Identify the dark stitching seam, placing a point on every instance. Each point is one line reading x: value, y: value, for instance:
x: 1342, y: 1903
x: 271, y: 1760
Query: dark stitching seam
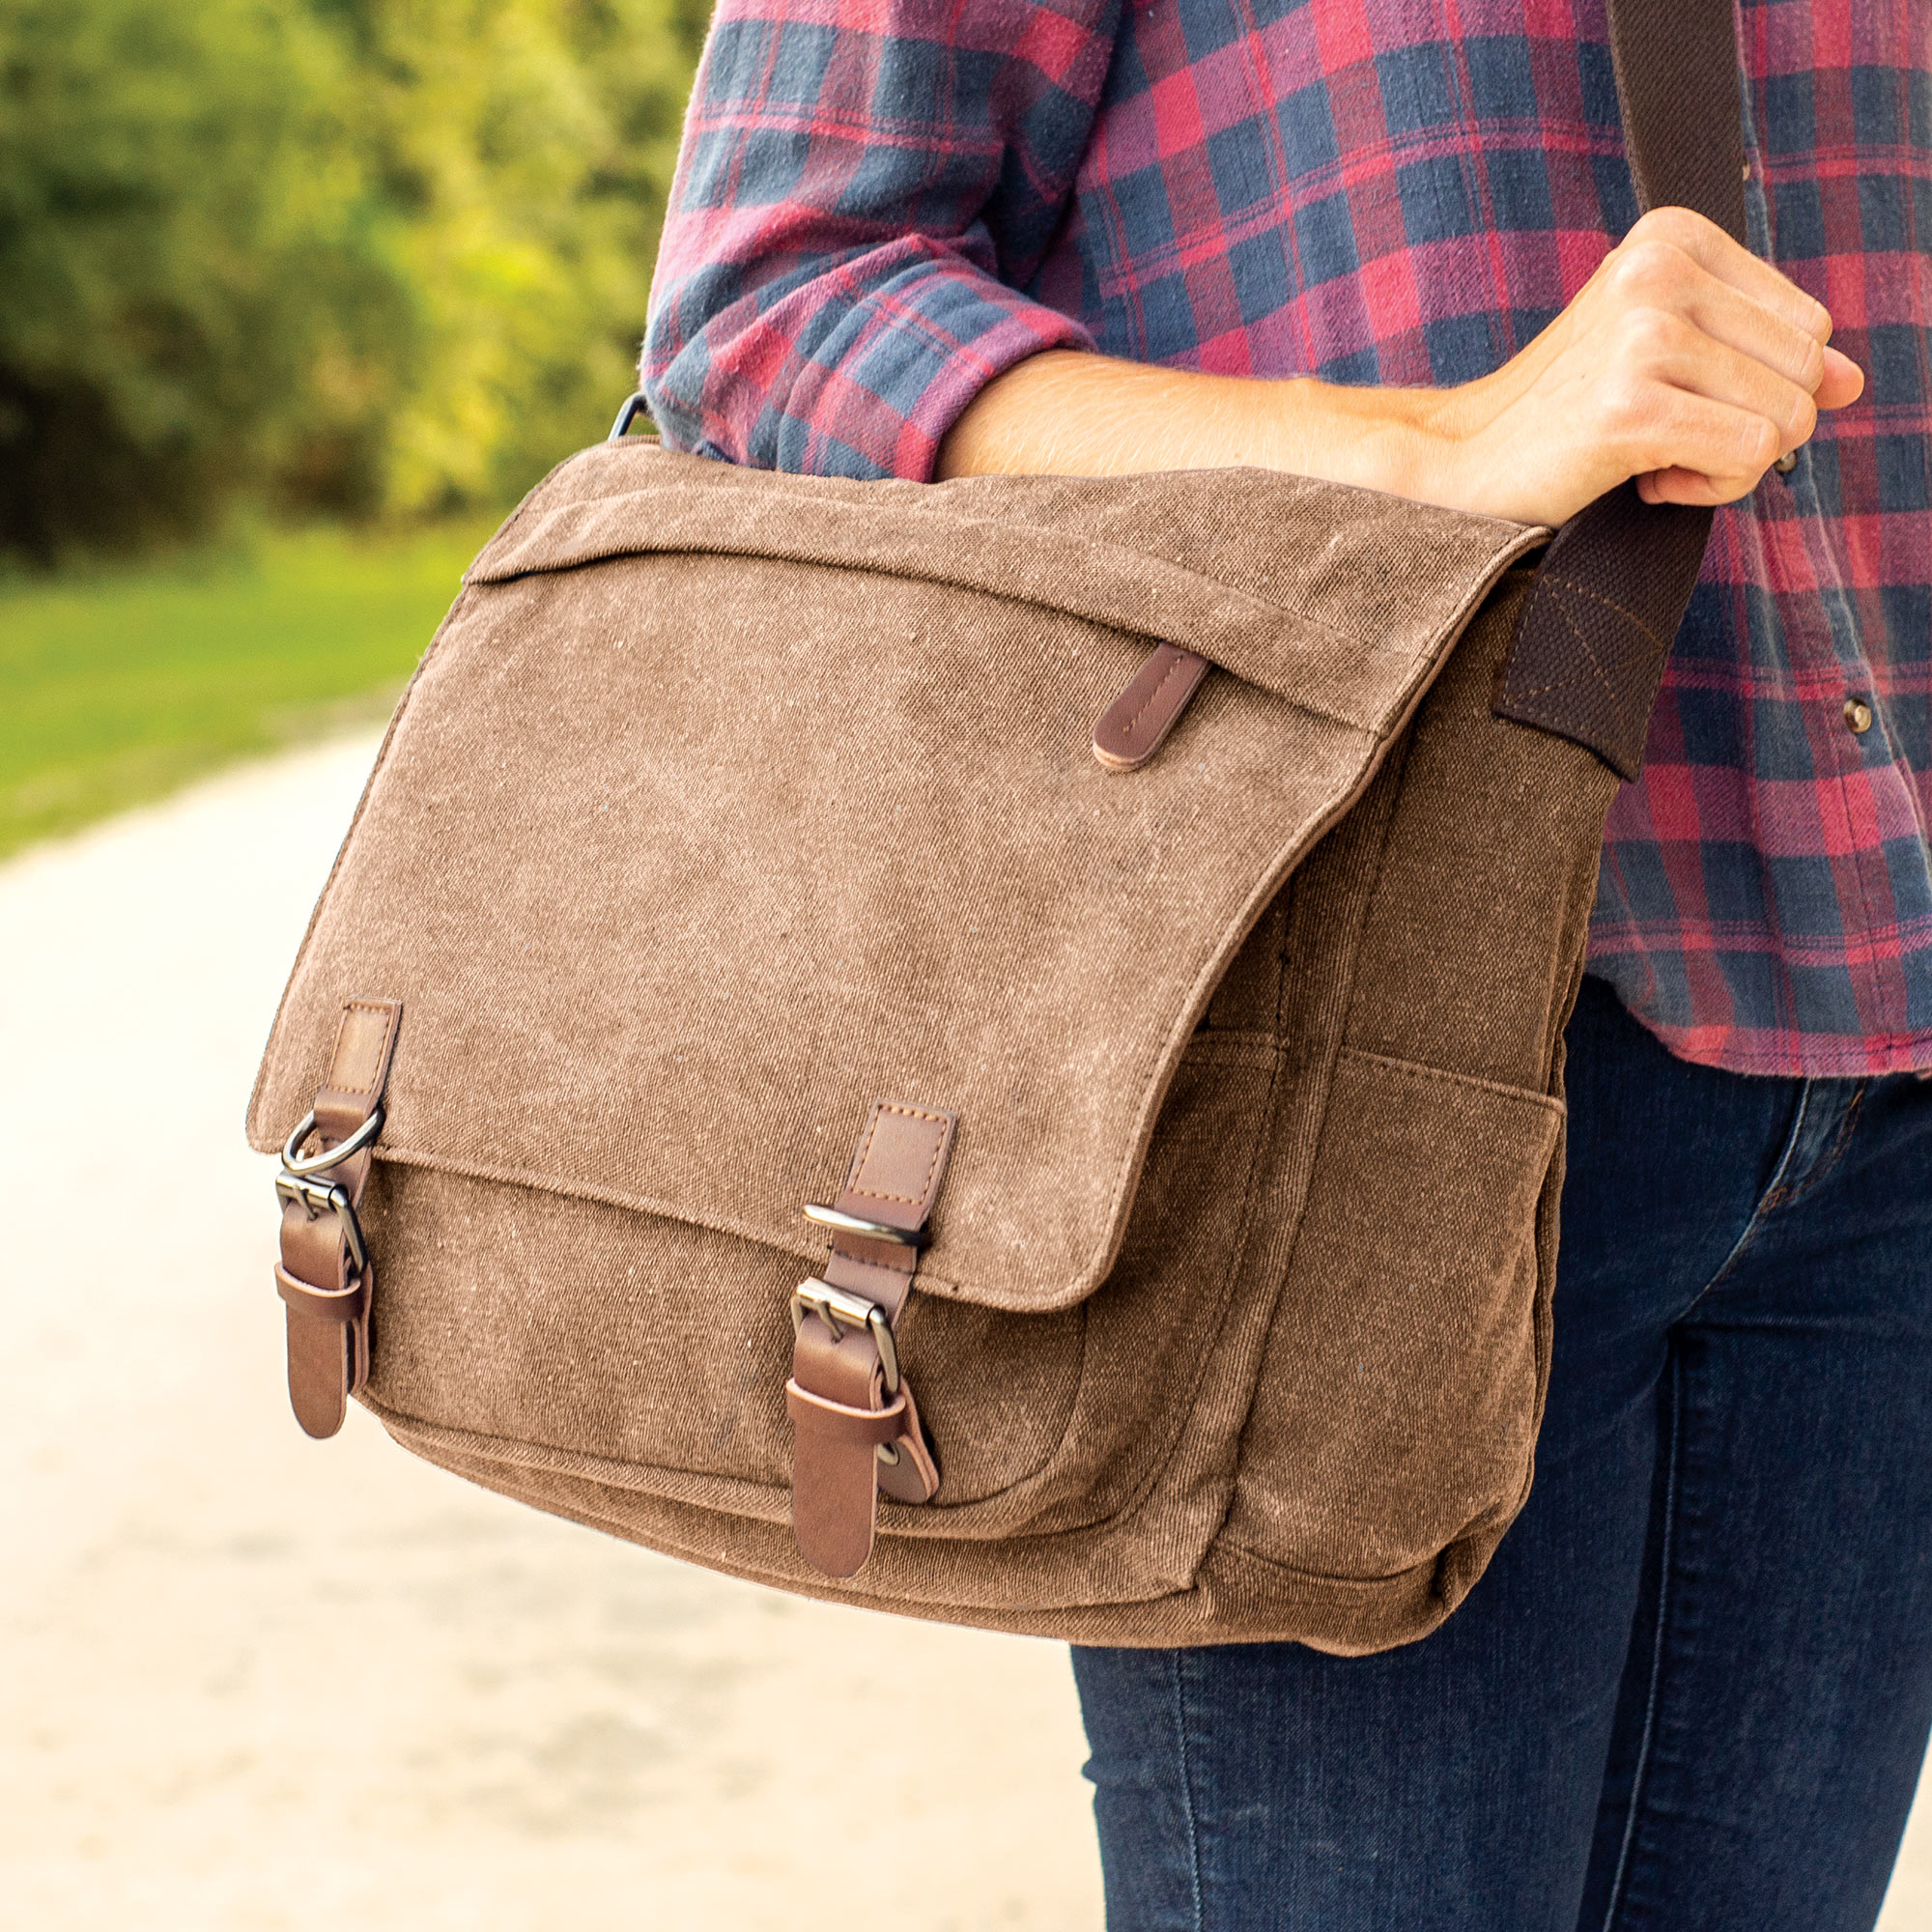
x: 1797, y: 1189
x: 1767, y: 1201
x: 1640, y: 1776
x: 1174, y: 1660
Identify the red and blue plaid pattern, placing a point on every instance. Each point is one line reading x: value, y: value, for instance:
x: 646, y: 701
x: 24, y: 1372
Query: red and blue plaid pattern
x: 881, y: 204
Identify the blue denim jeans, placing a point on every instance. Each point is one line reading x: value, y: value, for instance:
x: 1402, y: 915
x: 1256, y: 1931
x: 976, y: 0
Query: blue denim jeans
x: 1693, y: 1689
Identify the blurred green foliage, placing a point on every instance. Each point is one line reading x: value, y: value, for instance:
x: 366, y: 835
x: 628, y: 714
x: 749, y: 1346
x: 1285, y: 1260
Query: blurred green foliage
x: 118, y: 685
x: 362, y: 256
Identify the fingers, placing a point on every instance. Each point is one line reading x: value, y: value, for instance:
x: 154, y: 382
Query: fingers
x: 1688, y: 486
x: 1704, y: 242
x: 1685, y: 362
x: 1662, y: 350
x: 1750, y: 329
x: 1717, y: 364
x: 1676, y: 260
x: 1844, y: 381
x: 1656, y: 427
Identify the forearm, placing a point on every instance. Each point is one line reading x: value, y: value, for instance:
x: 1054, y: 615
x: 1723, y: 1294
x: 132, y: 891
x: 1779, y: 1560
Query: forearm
x: 1069, y: 414
x: 1685, y: 362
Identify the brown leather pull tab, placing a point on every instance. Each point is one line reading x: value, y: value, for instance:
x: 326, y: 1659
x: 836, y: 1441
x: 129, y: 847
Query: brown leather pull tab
x: 1134, y: 727
x: 325, y: 1277
x: 855, y: 1425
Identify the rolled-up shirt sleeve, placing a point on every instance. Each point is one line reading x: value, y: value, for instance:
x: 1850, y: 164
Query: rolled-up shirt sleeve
x: 863, y: 192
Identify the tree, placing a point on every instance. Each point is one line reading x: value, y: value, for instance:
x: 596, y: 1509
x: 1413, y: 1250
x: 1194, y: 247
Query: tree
x: 347, y: 254
x: 183, y: 231
x: 531, y: 143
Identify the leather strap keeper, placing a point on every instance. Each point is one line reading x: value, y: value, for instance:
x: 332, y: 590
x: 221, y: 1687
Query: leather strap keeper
x: 325, y: 1304
x: 323, y: 1276
x: 856, y: 1427
x: 876, y: 1426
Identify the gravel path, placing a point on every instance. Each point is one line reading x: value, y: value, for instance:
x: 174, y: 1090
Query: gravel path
x: 252, y: 1681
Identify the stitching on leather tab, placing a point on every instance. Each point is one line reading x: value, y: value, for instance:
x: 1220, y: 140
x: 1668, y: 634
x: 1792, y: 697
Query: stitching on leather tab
x: 388, y: 1014
x: 1166, y: 678
x: 939, y: 1148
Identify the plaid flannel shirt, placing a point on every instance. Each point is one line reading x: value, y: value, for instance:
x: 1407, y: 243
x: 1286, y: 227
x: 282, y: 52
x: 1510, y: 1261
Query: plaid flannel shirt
x: 882, y: 204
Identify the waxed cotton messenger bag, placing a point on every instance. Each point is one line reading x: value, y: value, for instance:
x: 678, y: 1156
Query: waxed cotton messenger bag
x: 989, y: 1050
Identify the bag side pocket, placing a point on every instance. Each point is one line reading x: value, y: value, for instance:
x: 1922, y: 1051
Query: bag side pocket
x: 1402, y: 1380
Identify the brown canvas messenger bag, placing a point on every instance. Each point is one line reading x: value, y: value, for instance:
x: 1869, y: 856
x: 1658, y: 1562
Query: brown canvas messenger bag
x: 771, y: 1076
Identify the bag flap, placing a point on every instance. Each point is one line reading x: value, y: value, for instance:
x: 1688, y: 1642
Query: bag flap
x: 726, y: 804
x: 1326, y: 596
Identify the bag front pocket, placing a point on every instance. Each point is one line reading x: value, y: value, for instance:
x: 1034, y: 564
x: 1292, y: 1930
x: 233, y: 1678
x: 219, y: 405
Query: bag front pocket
x: 1403, y: 1382
x: 642, y: 1341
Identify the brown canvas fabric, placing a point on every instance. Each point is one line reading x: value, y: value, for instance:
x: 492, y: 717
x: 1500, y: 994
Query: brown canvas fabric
x: 669, y: 824
x: 726, y: 803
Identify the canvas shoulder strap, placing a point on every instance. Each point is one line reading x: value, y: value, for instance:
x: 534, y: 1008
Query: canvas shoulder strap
x: 1596, y: 627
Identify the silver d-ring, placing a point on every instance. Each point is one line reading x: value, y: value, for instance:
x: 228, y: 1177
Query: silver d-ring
x: 868, y: 1231
x: 317, y: 1163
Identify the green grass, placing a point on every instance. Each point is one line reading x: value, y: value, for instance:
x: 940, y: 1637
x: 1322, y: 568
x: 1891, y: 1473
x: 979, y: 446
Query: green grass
x: 117, y: 687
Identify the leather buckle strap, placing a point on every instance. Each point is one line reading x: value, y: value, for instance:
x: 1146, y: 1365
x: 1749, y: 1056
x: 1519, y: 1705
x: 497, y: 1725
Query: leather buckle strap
x: 325, y: 1304
x: 319, y: 1196
x: 325, y: 1277
x: 856, y: 1429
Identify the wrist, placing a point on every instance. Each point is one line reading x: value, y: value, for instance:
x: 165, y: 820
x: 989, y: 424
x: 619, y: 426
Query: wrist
x: 1459, y: 467
x: 1405, y: 442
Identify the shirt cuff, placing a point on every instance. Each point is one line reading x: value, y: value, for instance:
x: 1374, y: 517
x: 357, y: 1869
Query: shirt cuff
x: 861, y: 369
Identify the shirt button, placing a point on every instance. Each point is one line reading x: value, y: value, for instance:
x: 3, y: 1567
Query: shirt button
x: 1857, y: 716
x: 1786, y: 463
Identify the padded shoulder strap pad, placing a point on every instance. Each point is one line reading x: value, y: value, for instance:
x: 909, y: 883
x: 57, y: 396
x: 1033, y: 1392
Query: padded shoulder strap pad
x: 1611, y: 591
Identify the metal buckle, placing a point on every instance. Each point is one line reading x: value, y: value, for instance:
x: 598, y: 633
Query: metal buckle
x: 840, y: 1310
x: 318, y: 1163
x: 318, y: 1197
x: 870, y: 1231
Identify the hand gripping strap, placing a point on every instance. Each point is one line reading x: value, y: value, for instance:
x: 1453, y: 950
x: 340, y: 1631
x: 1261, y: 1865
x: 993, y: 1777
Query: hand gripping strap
x: 855, y: 1424
x: 325, y: 1277
x: 1611, y: 591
